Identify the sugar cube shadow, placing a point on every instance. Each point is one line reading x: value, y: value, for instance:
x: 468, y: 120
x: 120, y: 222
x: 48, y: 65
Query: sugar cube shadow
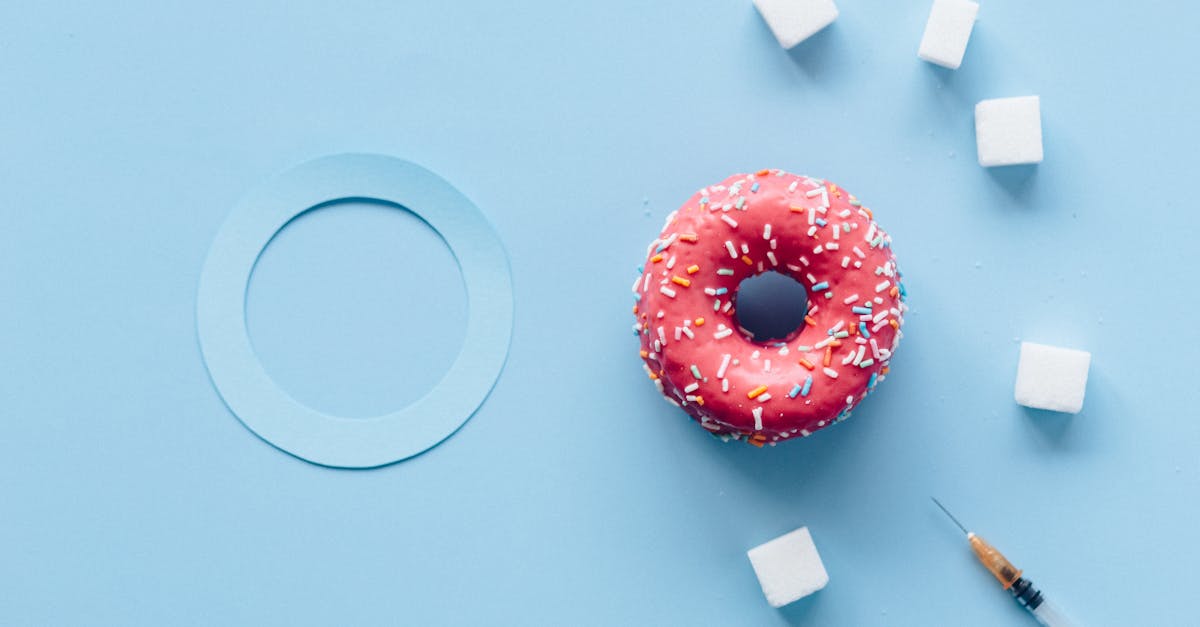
x: 800, y: 612
x: 1053, y: 427
x: 1018, y: 181
x: 822, y: 55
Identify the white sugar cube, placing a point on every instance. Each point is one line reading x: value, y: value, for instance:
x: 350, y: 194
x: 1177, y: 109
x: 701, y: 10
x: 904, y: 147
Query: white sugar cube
x: 788, y: 567
x: 793, y: 21
x: 1008, y: 131
x: 1052, y: 378
x: 947, y: 31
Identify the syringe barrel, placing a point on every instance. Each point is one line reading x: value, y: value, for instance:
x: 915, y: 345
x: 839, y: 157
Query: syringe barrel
x: 1049, y: 615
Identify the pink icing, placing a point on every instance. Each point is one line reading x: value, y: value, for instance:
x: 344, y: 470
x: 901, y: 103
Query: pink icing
x: 746, y: 225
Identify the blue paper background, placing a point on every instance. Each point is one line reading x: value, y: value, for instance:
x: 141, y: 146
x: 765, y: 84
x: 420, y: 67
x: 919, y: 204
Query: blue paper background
x: 130, y: 495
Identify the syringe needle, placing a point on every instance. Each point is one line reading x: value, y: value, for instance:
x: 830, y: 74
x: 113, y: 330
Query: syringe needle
x: 1010, y: 577
x: 947, y: 512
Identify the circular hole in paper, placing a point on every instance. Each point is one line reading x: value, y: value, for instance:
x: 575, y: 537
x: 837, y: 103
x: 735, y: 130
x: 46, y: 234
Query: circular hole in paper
x: 294, y: 427
x: 356, y: 308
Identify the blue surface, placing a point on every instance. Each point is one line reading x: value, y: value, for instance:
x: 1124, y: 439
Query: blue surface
x: 130, y: 495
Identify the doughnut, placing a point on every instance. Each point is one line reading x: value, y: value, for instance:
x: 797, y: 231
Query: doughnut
x: 702, y: 360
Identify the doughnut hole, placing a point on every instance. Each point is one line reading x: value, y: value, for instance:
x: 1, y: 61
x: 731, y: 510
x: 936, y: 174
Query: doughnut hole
x: 771, y: 306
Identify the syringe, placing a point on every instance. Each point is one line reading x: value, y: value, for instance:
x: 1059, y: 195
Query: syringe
x: 1010, y: 577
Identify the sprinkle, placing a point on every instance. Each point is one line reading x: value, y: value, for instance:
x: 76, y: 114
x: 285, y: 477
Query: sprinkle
x: 693, y: 269
x: 764, y: 398
x: 696, y: 372
x: 866, y: 362
x: 688, y: 332
x: 748, y: 261
x: 767, y: 231
x: 861, y: 310
x: 728, y: 220
x: 721, y: 290
x: 882, y: 286
x: 871, y: 382
x: 814, y: 192
x: 841, y: 334
x: 771, y: 257
x: 662, y: 336
x: 823, y: 285
x: 756, y: 391
x: 807, y: 386
x: 724, y: 365
x: 862, y: 328
x: 699, y: 322
x: 758, y: 418
x: 731, y: 249
x: 689, y: 237
x: 666, y: 290
x: 724, y: 271
x: 819, y: 249
x: 754, y: 188
x: 831, y: 245
x: 678, y: 333
x: 656, y: 258
x: 795, y: 391
x: 849, y: 299
x: 692, y: 387
x: 830, y: 372
x: 807, y: 364
x: 723, y: 333
x: 828, y: 356
x: 724, y: 385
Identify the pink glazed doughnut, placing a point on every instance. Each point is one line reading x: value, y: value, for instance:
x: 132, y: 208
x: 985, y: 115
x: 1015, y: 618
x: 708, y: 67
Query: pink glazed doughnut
x: 764, y: 392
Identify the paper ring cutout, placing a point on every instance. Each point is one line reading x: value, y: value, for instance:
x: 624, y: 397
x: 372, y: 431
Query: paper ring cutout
x: 272, y: 414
